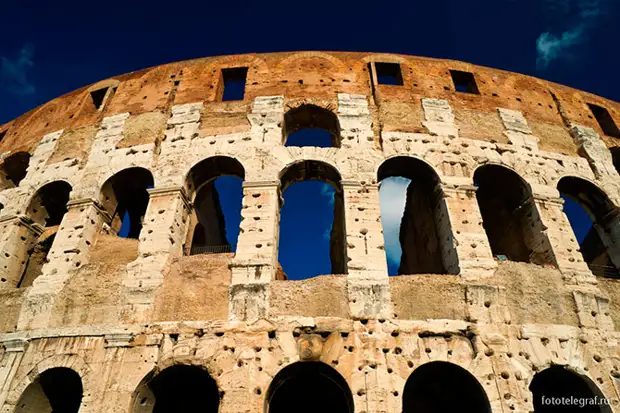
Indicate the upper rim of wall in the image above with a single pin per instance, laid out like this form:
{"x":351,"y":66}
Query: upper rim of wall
{"x":70,"y":111}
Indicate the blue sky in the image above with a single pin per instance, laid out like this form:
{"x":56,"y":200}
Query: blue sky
{"x":50,"y":48}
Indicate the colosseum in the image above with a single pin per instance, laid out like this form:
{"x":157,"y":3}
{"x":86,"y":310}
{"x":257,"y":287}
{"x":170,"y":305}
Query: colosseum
{"x":497,"y":307}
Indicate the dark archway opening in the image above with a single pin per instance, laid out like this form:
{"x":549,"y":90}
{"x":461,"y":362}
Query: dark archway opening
{"x":510,"y":217}
{"x":184,"y":389}
{"x":594,"y":219}
{"x":311,"y":125}
{"x":308,"y":387}
{"x":57,"y":390}
{"x":216,"y":187}
{"x":615,"y":156}
{"x":126,"y":197}
{"x":440,"y":387}
{"x":554,"y":383}
{"x":14,"y":169}
{"x":414,"y":218}
{"x":312,"y":227}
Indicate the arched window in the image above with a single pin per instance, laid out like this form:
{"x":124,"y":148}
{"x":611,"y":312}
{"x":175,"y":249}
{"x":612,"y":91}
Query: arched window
{"x":14,"y":169}
{"x":414,"y":218}
{"x":126,"y":198}
{"x":439,"y":387}
{"x":510,"y":217}
{"x":178,"y":389}
{"x":554,"y":383}
{"x":615,"y":156}
{"x":308,"y":387}
{"x":57,"y":390}
{"x":47,"y":208}
{"x":311,"y":125}
{"x":594,"y":219}
{"x":215,"y":187}
{"x":312,"y":229}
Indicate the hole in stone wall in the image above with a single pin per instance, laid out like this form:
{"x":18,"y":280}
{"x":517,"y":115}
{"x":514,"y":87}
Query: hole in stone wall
{"x":292,"y":385}
{"x":594,"y":220}
{"x":615,"y":155}
{"x":58,"y":389}
{"x":439,"y":386}
{"x":311,"y":125}
{"x":15,"y":167}
{"x":464,"y":82}
{"x":312,"y":234}
{"x":510,"y":217}
{"x":98,"y":97}
{"x":414,"y":219}
{"x":49,"y":205}
{"x":180,"y":389}
{"x":389,"y":74}
{"x":2,"y":135}
{"x":605,"y":120}
{"x":214,"y":224}
{"x":126,"y":198}
{"x":557,"y":382}
{"x":234,"y":83}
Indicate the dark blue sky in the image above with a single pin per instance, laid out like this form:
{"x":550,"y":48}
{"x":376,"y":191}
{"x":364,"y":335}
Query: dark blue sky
{"x":50,"y":48}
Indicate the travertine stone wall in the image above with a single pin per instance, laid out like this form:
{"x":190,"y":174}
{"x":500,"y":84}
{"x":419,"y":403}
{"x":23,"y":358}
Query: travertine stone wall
{"x":502,"y":321}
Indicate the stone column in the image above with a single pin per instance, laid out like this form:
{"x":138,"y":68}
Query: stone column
{"x":18,"y":235}
{"x":256,"y":260}
{"x":475,"y":259}
{"x":367,"y":281}
{"x":355,"y":122}
{"x":10,"y":357}
{"x":266,"y":119}
{"x":161,"y":240}
{"x":78,"y":230}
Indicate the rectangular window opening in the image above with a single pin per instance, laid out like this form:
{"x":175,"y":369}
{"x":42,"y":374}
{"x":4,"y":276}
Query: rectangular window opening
{"x":464,"y":82}
{"x":98,"y":96}
{"x":389,"y":74}
{"x":605,"y":121}
{"x":234,"y":83}
{"x":2,"y":135}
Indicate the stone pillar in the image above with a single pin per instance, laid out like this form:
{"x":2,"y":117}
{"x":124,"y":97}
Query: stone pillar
{"x":266,"y":119}
{"x":561,"y":238}
{"x":161,"y":240}
{"x":11,"y":355}
{"x":256,"y":260}
{"x":18,"y":235}
{"x":475,"y":259}
{"x":518,"y":131}
{"x":78,"y":230}
{"x":355,"y":122}
{"x":439,"y":119}
{"x":367,"y":281}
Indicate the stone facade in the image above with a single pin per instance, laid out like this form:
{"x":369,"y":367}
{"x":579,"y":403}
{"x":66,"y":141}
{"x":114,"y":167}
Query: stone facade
{"x":119,"y":312}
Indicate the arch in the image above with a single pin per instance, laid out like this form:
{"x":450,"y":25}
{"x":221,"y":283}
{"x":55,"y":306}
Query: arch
{"x":557,"y":382}
{"x":49,"y":203}
{"x":311,"y":125}
{"x":331,"y":198}
{"x":597,"y":229}
{"x":440,"y":386}
{"x":510,"y":217}
{"x":14,"y":169}
{"x":423,"y":226}
{"x":179,"y":388}
{"x":125,"y":197}
{"x":615,"y":156}
{"x":206,"y":182}
{"x":58,"y":389}
{"x":309,"y":387}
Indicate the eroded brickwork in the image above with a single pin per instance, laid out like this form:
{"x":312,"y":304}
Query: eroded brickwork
{"x":118,"y":312}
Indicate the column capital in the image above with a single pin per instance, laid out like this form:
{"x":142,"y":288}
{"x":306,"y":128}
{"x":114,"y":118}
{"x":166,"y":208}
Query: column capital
{"x":548,"y":200}
{"x":170,"y":190}
{"x":462,"y":189}
{"x":261,"y":184}
{"x":24,"y":221}
{"x":15,"y":345}
{"x":89,"y":202}
{"x":352,"y":184}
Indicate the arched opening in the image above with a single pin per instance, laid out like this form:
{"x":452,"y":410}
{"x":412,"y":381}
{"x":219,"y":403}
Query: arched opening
{"x":439,"y":387}
{"x":308,"y":387}
{"x":557,"y":389}
{"x":311,"y":125}
{"x":312,"y":228}
{"x":615,"y":156}
{"x":14,"y":169}
{"x":416,"y":227}
{"x":57,"y":390}
{"x":510,"y":217}
{"x":178,"y":388}
{"x":126,"y":198}
{"x":594,"y":219}
{"x":47,"y":208}
{"x":215,"y":186}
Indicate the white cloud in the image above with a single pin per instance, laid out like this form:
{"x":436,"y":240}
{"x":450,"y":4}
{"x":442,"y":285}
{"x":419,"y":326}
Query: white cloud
{"x":393,"y":194}
{"x":328,"y":191}
{"x":552,"y":46}
{"x":13,"y":72}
